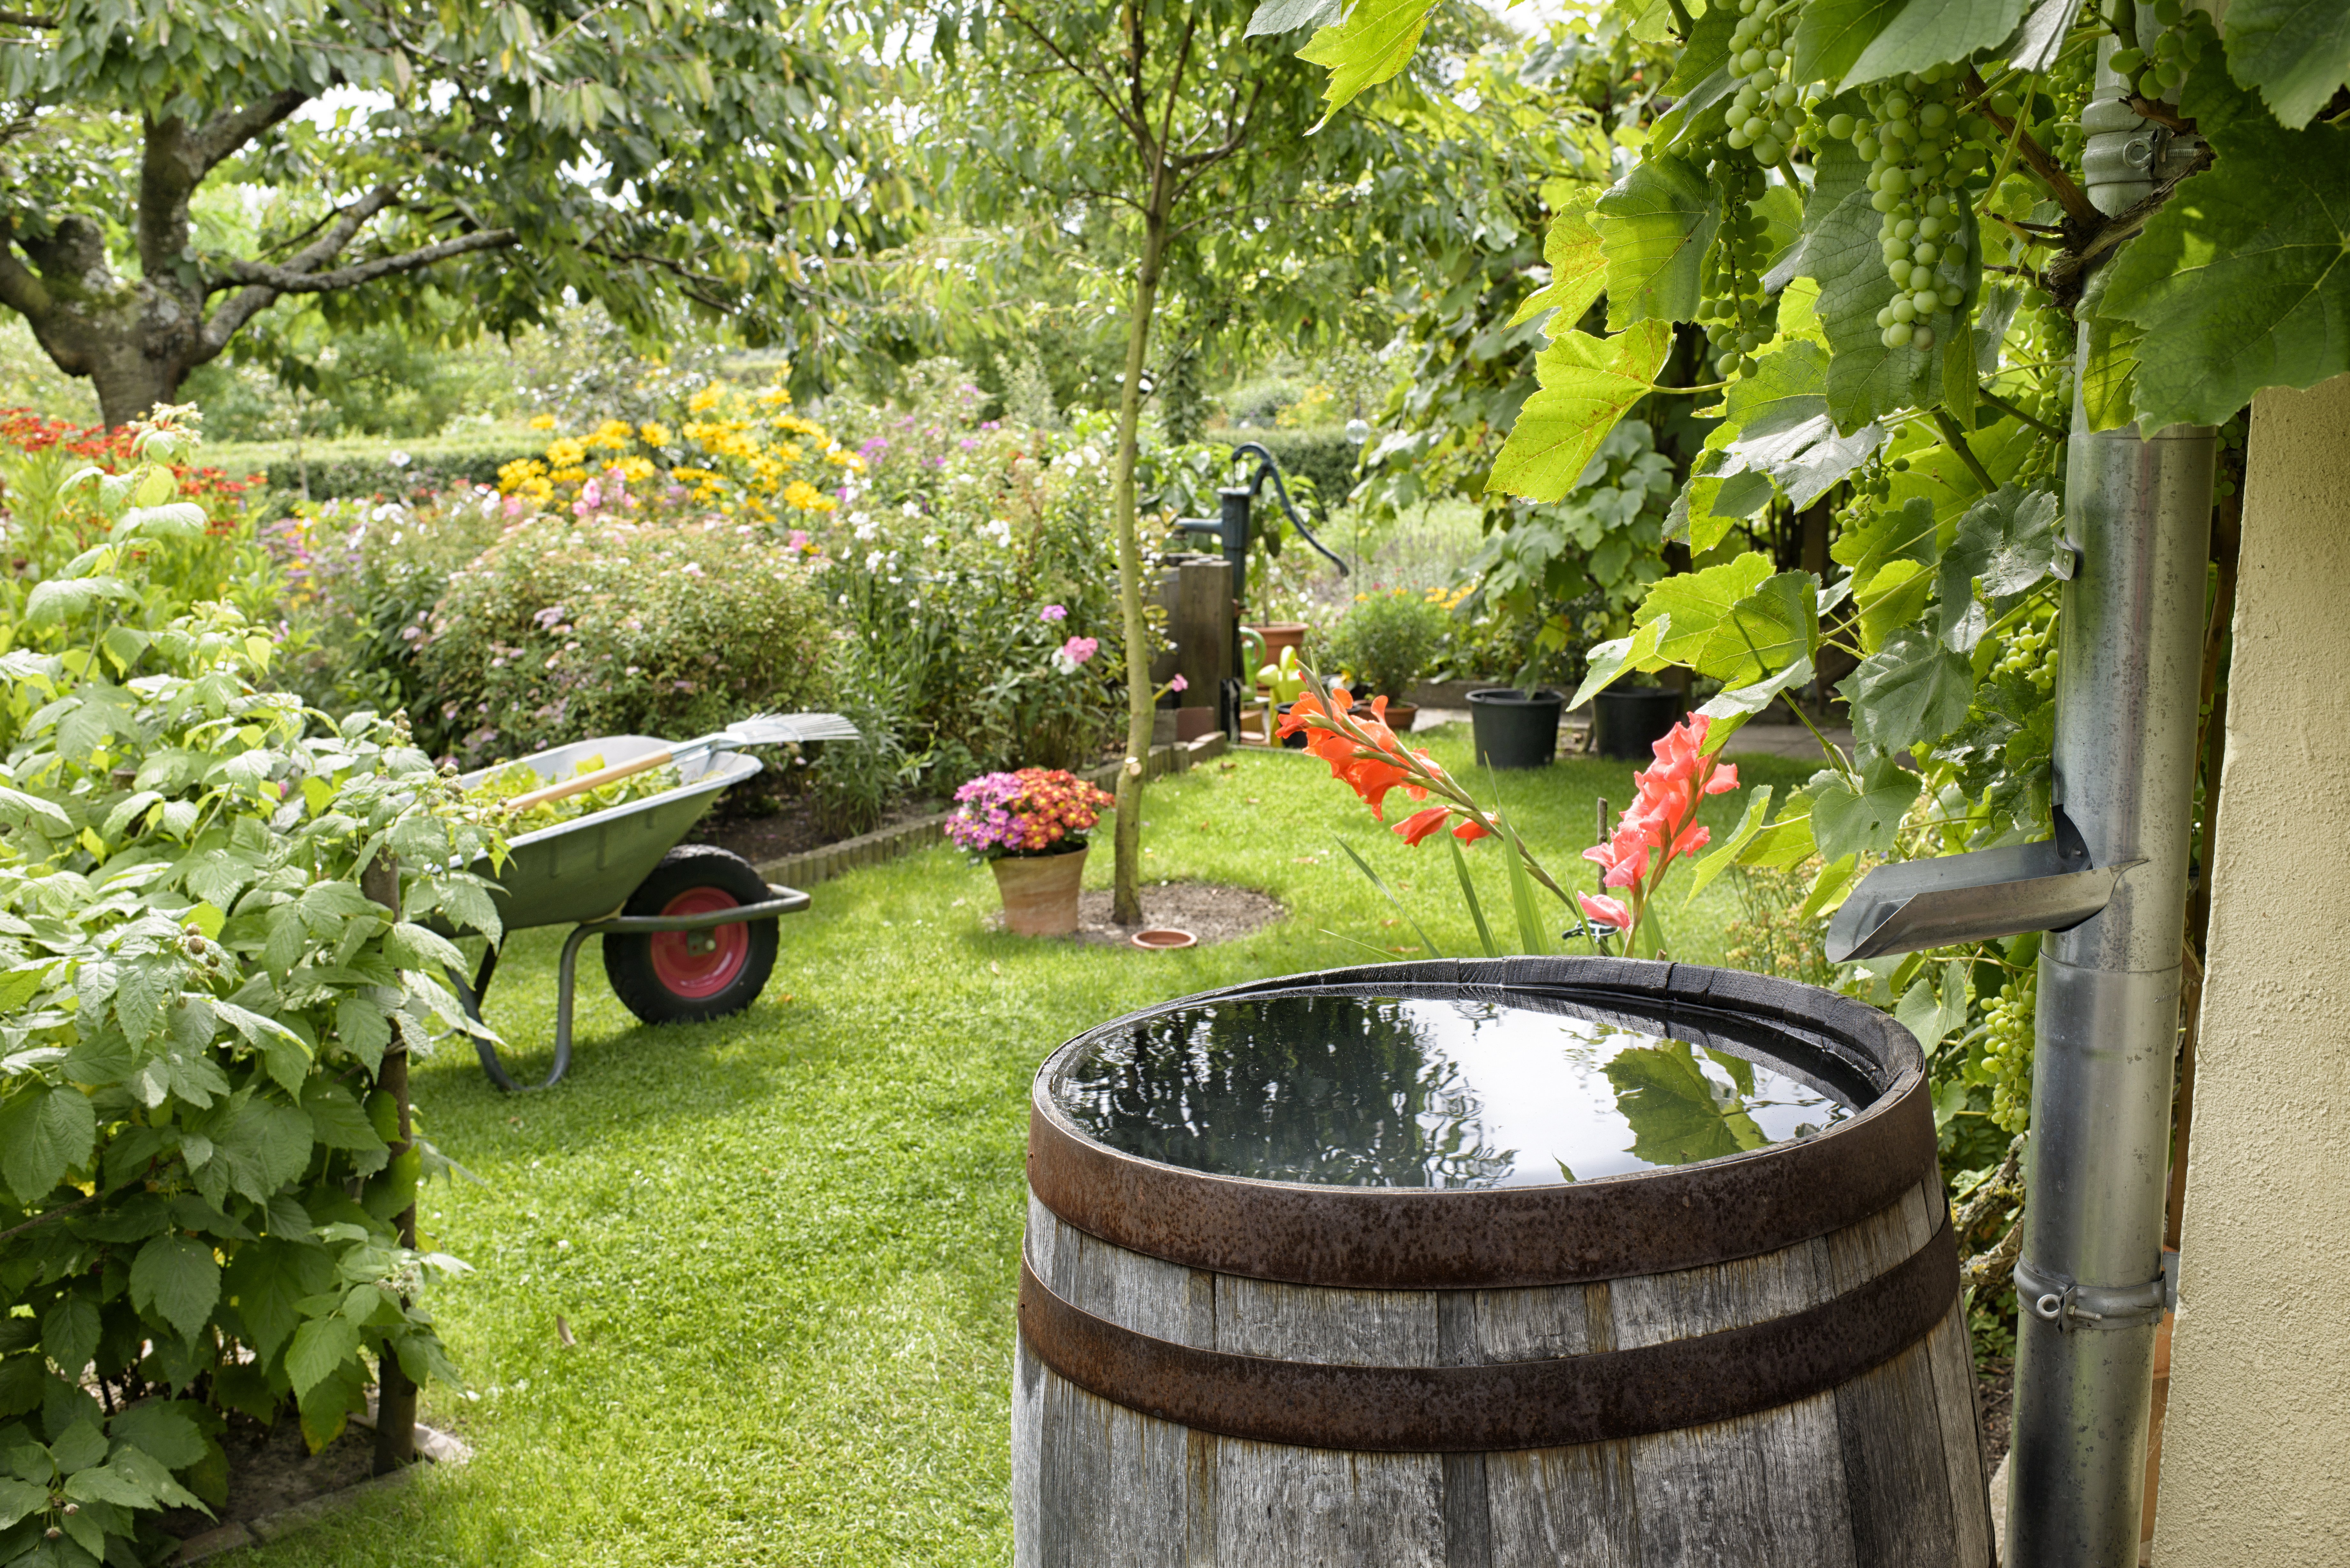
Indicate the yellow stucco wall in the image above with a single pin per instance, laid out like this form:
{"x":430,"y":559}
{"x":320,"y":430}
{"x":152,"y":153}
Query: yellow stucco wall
{"x":2256,"y":1447}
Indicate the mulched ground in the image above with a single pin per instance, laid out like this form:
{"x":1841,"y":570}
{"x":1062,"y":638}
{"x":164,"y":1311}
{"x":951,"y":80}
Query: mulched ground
{"x":1995,"y":1391}
{"x":271,"y":1468}
{"x":1212,"y":912}
{"x":792,"y":830}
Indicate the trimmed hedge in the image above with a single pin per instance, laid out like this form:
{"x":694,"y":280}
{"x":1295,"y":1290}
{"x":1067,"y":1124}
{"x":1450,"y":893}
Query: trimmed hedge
{"x":339,"y":469}
{"x":1321,"y":452}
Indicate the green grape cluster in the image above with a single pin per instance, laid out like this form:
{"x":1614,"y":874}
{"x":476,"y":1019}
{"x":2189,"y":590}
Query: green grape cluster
{"x":1737,"y":314}
{"x":2007,"y":1053}
{"x":1768,"y":106}
{"x":1921,"y":144}
{"x":2031,"y":651}
{"x":2163,"y":69}
{"x":2231,"y":457}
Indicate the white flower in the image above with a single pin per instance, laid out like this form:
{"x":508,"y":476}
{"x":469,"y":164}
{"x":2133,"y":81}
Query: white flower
{"x":873,"y":561}
{"x":911,"y":509}
{"x":930,"y":541}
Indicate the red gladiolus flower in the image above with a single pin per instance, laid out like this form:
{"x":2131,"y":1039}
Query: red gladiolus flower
{"x":1472,"y":830}
{"x":1602,"y":910}
{"x":1420,"y":825}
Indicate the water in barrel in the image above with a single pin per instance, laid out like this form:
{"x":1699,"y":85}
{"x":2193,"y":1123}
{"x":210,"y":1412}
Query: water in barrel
{"x":1367,"y":1090}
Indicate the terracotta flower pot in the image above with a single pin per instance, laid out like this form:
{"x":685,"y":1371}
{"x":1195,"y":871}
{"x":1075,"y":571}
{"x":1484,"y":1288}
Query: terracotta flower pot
{"x":1040,"y":892}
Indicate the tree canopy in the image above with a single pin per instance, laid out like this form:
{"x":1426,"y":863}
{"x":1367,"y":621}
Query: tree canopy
{"x":647,"y":154}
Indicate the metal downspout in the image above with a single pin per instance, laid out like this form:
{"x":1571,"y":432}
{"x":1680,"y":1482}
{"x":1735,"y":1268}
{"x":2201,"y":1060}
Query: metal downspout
{"x":2089,"y":1285}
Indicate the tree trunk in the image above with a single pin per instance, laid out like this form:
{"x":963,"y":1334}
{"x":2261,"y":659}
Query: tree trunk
{"x":129,"y":385}
{"x":1126,"y":904}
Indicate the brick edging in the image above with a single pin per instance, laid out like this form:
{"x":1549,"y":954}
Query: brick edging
{"x":886,"y":844}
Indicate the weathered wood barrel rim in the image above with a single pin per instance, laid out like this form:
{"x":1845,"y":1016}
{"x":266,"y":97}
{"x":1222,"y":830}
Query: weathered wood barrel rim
{"x":1606,"y":1228}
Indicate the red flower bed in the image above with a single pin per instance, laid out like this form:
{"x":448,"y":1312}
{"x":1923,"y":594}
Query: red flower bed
{"x":222,"y":497}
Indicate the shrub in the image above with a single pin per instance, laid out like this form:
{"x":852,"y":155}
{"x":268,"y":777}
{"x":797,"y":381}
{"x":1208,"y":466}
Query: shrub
{"x":198,"y":1176}
{"x":1385,"y":640}
{"x":601,"y":622}
{"x":1321,"y":454}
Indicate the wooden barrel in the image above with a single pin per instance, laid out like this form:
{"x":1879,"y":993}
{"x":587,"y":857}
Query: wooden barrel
{"x":1757,"y":1359}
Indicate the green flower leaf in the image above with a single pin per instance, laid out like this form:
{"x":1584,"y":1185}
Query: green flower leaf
{"x":1586,"y":383}
{"x":2295,"y":52}
{"x":2242,"y":283}
{"x":176,"y":1278}
{"x":1367,"y":49}
{"x":1654,"y":226}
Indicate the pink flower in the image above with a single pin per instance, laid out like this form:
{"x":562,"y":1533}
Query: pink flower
{"x":1179,"y":684}
{"x":1052,"y":612}
{"x":1077,"y":649}
{"x":1602,"y":910}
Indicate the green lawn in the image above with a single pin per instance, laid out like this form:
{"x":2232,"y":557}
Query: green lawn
{"x":785,"y":1241}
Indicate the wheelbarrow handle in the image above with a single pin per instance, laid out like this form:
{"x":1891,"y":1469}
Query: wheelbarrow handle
{"x":596,"y":780}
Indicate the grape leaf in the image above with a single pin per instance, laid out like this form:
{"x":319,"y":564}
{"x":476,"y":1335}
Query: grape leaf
{"x":177,"y":1278}
{"x":1654,"y":226}
{"x":1578,"y":269}
{"x":1764,"y":632}
{"x":1866,"y":378}
{"x":2242,"y":283}
{"x":1665,"y":1097}
{"x":2297,"y":52}
{"x":1905,"y":533}
{"x":1707,"y":51}
{"x":1831,"y":36}
{"x":1845,"y":821}
{"x":1779,"y":427}
{"x":1911,"y":689}
{"x":1606,"y":661}
{"x":1928,"y":32}
{"x":1698,"y":602}
{"x":1367,"y":49}
{"x":2009,"y":539}
{"x":1288,"y":16}
{"x":1586,"y":384}
{"x":1895,"y":598}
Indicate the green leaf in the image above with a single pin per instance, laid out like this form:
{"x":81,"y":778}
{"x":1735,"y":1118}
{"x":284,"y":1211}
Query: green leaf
{"x":1779,"y":427}
{"x":69,"y":1331}
{"x":1846,"y":822}
{"x":1925,"y":33}
{"x":411,"y":946}
{"x":1707,"y":51}
{"x":259,"y":1145}
{"x":268,"y":1278}
{"x":105,"y":1483}
{"x":1578,"y":267}
{"x":1764,"y":632}
{"x":2109,"y":371}
{"x":162,"y":1428}
{"x":1606,"y":661}
{"x":2295,"y":52}
{"x":1758,"y":806}
{"x":1531,"y":939}
{"x":1586,"y":383}
{"x":1866,"y":378}
{"x":336,"y":1119}
{"x":1469,"y":896}
{"x":1655,"y":225}
{"x":1910,"y":690}
{"x":1370,"y":46}
{"x":1828,"y":889}
{"x":1744,"y":701}
{"x":2242,"y":283}
{"x":177,"y":1278}
{"x":1699,"y":602}
{"x":320,"y":1348}
{"x":1933,"y":1018}
{"x":1831,"y":36}
{"x":1288,"y":16}
{"x":2009,"y":541}
{"x":20,"y":1499}
{"x":1893,"y":600}
{"x":1365,"y":867}
{"x":44,"y":1133}
{"x":1672,"y":1107}
{"x":142,"y":1468}
{"x":1906,"y":533}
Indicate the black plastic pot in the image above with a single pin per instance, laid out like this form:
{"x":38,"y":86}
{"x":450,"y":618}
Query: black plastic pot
{"x":1630,"y":719}
{"x":1296,"y":739}
{"x":1515,"y":729}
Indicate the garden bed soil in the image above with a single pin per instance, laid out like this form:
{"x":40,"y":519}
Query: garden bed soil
{"x":1212,"y":912}
{"x":277,"y":1484}
{"x":794,"y":830}
{"x":1995,"y":1395}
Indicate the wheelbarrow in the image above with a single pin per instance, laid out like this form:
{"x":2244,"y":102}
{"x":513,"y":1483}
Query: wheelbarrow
{"x":688,"y":929}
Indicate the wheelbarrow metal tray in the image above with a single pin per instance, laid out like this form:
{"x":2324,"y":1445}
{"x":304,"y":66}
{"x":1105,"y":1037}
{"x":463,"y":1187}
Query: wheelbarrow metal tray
{"x":586,"y":868}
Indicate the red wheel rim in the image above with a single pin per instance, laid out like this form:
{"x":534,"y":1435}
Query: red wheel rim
{"x":705,"y":962}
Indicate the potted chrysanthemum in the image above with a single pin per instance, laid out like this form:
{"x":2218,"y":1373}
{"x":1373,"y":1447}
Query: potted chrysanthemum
{"x":1031,"y":828}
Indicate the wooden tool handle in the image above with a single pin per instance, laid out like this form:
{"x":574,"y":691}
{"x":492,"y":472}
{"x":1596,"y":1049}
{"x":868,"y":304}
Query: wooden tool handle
{"x":596,"y":780}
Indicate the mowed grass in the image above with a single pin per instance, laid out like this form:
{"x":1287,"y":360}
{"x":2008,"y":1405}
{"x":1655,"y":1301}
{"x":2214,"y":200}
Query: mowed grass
{"x":784,"y":1242}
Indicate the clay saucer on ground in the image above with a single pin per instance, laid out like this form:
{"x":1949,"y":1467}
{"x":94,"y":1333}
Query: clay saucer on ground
{"x":1161,"y":937}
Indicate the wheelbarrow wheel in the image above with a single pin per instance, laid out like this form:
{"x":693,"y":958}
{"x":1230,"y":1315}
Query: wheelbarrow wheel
{"x":672,"y":977}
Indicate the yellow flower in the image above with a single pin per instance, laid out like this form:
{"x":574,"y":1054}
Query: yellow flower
{"x":654,"y":432}
{"x":518,"y":474}
{"x":807,"y":497}
{"x":775,"y":397}
{"x":566,"y":453}
{"x":571,"y":475}
{"x":543,"y":422}
{"x":634,"y":468}
{"x":702,"y":402}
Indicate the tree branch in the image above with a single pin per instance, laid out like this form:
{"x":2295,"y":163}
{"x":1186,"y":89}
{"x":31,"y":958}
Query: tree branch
{"x":19,"y":290}
{"x":25,"y":19}
{"x":1080,"y":72}
{"x":2069,"y":196}
{"x":2066,"y":271}
{"x":224,"y":134}
{"x":286,"y":280}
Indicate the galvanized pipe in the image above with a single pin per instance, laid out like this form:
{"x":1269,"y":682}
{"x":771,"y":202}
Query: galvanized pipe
{"x":2089,"y":1285}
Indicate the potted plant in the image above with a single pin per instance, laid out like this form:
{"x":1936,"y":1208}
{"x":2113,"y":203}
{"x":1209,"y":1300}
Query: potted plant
{"x":1515,"y":727}
{"x":1281,"y":683}
{"x":1031,"y":828}
{"x":1385,"y":638}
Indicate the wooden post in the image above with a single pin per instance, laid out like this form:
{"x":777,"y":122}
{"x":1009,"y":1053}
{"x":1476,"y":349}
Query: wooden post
{"x":395,"y":1413}
{"x":1203,"y":630}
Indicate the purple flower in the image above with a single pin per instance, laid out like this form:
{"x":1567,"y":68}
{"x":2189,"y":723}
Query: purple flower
{"x":1052,"y":612}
